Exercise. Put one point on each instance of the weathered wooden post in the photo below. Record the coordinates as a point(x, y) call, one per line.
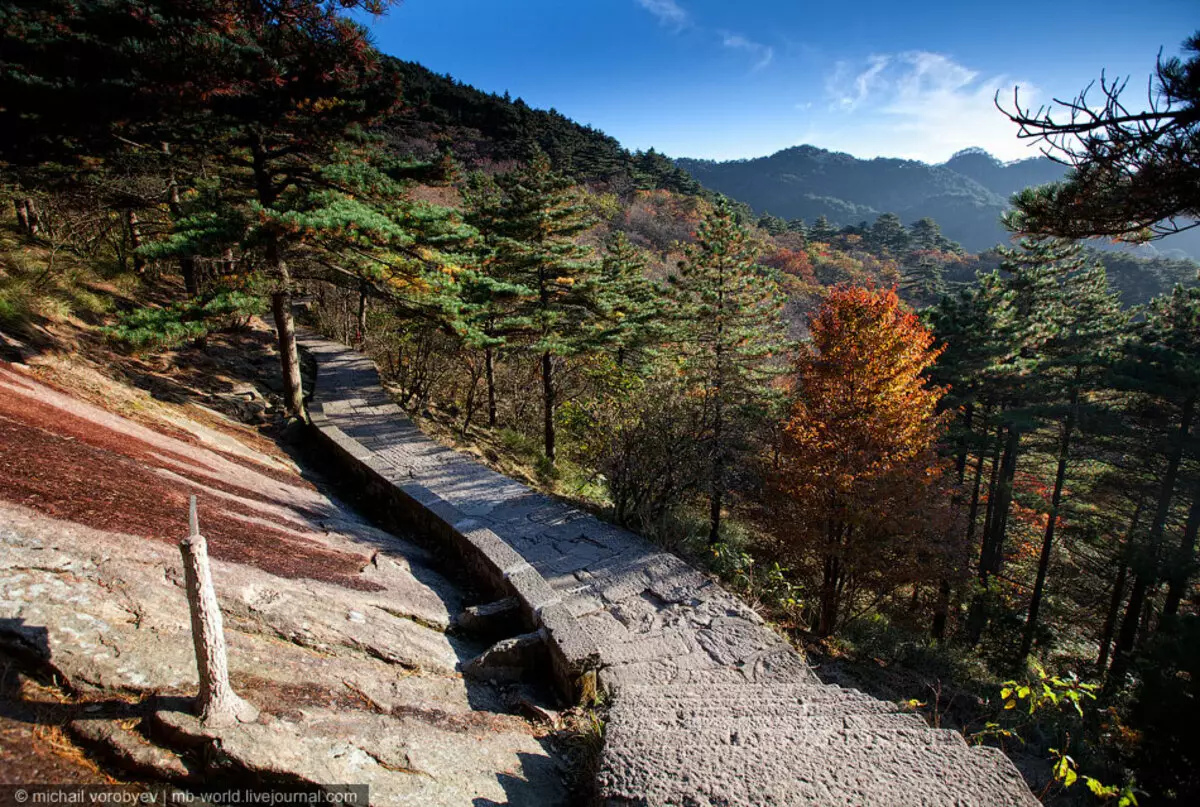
point(218, 705)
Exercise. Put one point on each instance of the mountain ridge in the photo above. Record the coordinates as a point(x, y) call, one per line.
point(966, 194)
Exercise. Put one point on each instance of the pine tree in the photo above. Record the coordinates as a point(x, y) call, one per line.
point(821, 230)
point(925, 234)
point(1162, 363)
point(1085, 321)
point(533, 224)
point(731, 331)
point(921, 279)
point(773, 225)
point(631, 302)
point(888, 233)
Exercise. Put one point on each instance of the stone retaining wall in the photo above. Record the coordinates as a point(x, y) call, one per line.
point(709, 705)
point(492, 563)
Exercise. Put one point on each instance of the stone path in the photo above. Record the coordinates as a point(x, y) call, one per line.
point(710, 706)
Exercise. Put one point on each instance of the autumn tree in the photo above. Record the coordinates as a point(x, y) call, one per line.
point(859, 466)
point(728, 313)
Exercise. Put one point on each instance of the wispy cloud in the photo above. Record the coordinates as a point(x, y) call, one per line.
point(848, 91)
point(668, 12)
point(763, 54)
point(926, 103)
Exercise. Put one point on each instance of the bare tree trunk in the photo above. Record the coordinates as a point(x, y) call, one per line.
point(716, 493)
point(829, 597)
point(977, 615)
point(135, 240)
point(285, 330)
point(489, 356)
point(218, 705)
point(1060, 476)
point(1118, 593)
point(548, 404)
point(361, 336)
point(1110, 620)
point(1004, 493)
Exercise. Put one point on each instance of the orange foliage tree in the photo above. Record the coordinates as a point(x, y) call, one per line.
point(858, 471)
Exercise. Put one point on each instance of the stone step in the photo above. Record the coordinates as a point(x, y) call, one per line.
point(874, 767)
point(752, 720)
point(652, 695)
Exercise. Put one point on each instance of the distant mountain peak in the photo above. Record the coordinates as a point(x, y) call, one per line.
point(972, 151)
point(965, 195)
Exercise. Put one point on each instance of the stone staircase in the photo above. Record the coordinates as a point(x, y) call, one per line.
point(709, 706)
point(744, 744)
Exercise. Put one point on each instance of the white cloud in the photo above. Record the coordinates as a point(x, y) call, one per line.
point(925, 106)
point(668, 12)
point(763, 54)
point(848, 93)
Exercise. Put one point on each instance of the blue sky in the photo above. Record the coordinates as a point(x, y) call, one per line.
point(701, 78)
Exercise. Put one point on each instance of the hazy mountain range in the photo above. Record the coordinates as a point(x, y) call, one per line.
point(965, 195)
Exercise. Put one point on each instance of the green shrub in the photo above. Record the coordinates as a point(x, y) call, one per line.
point(149, 328)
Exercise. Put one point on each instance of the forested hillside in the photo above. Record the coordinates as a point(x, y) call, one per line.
point(966, 194)
point(438, 114)
point(966, 480)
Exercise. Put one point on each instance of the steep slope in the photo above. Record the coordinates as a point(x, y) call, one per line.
point(340, 633)
point(437, 111)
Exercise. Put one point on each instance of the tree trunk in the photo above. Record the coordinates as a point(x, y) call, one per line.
point(361, 336)
point(1182, 568)
point(217, 704)
point(829, 597)
point(22, 214)
point(548, 404)
point(973, 511)
point(285, 331)
point(1118, 594)
point(281, 298)
point(1110, 619)
point(1146, 569)
point(960, 462)
point(977, 616)
point(187, 263)
point(1060, 475)
point(941, 612)
point(717, 489)
point(1008, 472)
point(135, 240)
point(990, 510)
point(489, 356)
